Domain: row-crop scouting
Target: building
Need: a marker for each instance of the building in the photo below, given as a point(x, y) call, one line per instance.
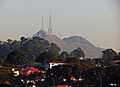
point(55, 63)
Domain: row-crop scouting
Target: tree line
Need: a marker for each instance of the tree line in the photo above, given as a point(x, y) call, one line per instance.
point(36, 48)
point(28, 49)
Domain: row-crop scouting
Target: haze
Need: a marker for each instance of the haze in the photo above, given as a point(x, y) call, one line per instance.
point(96, 20)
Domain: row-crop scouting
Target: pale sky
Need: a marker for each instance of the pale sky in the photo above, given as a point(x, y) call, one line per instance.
point(96, 20)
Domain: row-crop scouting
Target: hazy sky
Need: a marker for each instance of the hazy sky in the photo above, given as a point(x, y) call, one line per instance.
point(96, 20)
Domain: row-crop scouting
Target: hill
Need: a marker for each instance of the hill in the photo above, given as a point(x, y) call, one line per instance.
point(89, 49)
point(71, 43)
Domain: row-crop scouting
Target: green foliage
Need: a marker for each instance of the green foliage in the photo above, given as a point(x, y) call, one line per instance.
point(4, 74)
point(47, 56)
point(80, 63)
point(56, 71)
point(37, 45)
point(117, 57)
point(4, 49)
point(17, 58)
point(54, 48)
point(109, 54)
point(64, 55)
point(34, 46)
point(76, 71)
point(72, 60)
point(15, 45)
point(77, 53)
point(31, 46)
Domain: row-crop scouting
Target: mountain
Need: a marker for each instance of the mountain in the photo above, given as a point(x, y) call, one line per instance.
point(71, 43)
point(89, 49)
point(40, 33)
point(53, 39)
point(78, 40)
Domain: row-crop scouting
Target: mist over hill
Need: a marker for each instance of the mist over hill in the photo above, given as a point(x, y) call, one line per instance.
point(71, 43)
point(89, 49)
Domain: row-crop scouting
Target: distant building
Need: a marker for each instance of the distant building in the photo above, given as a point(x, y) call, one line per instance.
point(55, 63)
point(116, 62)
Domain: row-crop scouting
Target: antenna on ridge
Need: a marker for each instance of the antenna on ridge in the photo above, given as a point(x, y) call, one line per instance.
point(50, 25)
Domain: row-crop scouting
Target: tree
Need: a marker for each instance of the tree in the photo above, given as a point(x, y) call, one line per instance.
point(77, 53)
point(76, 71)
point(43, 57)
point(54, 47)
point(9, 40)
point(4, 50)
point(15, 45)
point(23, 40)
point(47, 57)
point(64, 55)
point(17, 58)
point(109, 54)
point(34, 46)
point(0, 42)
point(118, 53)
point(74, 61)
point(117, 57)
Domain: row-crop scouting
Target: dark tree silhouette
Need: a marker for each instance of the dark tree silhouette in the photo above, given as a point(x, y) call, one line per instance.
point(109, 54)
point(64, 55)
point(16, 58)
point(77, 53)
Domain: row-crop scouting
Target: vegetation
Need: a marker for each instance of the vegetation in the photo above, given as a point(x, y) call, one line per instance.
point(17, 58)
point(64, 55)
point(77, 53)
point(16, 52)
point(37, 50)
point(46, 57)
point(109, 54)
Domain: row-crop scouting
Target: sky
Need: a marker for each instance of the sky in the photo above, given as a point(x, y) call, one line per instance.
point(96, 20)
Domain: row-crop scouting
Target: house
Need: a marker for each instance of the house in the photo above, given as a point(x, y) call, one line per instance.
point(116, 62)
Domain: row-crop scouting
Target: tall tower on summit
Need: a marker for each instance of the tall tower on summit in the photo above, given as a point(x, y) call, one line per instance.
point(42, 26)
point(50, 26)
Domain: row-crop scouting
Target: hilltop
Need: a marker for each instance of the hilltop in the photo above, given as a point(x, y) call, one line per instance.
point(71, 43)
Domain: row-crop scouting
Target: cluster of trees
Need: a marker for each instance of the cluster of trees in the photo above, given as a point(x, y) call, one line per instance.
point(77, 54)
point(110, 54)
point(49, 56)
point(40, 50)
point(18, 52)
point(28, 49)
point(107, 57)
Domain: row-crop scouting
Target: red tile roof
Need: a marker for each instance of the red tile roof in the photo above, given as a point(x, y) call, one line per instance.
point(116, 61)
